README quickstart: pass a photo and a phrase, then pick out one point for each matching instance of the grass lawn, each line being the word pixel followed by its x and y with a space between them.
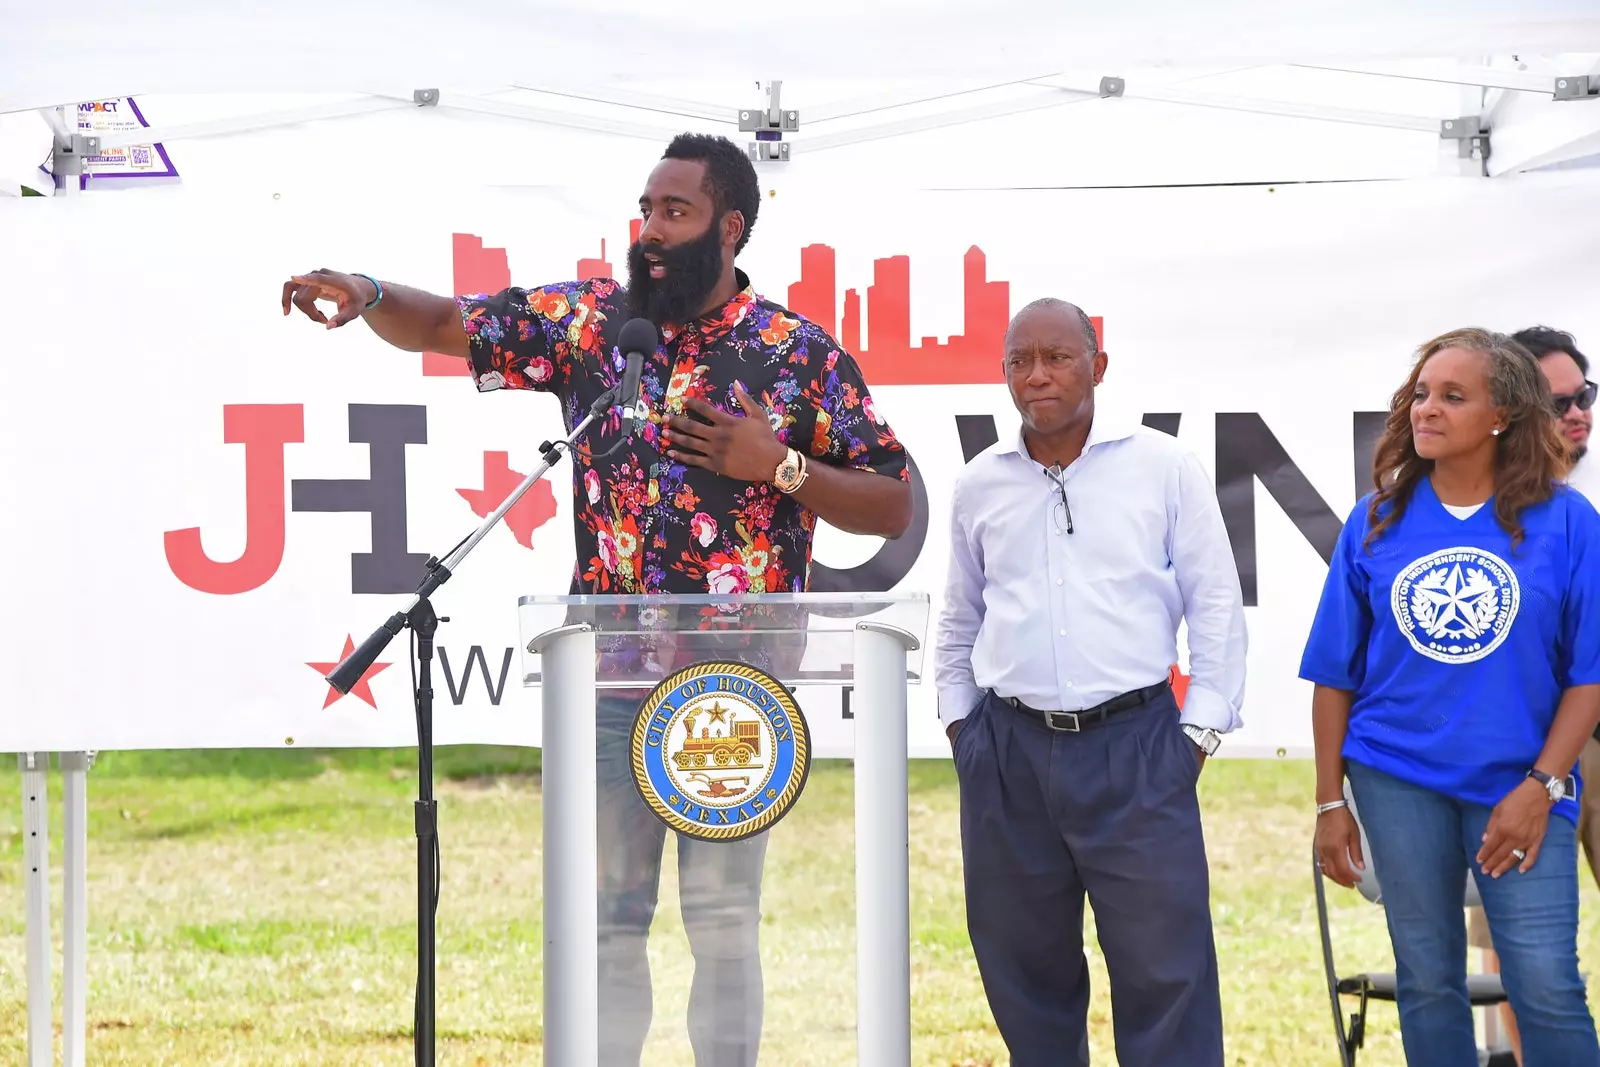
pixel 257 908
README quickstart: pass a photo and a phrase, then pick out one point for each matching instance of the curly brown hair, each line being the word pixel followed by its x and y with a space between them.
pixel 1529 460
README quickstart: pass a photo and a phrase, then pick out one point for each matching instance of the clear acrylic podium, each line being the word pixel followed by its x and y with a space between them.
pixel 609 652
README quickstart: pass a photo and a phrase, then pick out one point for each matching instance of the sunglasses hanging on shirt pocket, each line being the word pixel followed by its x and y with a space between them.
pixel 1061 510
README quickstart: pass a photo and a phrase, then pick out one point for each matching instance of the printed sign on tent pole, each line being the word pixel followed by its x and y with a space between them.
pixel 101 117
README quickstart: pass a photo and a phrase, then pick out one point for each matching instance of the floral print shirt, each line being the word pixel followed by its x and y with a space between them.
pixel 644 523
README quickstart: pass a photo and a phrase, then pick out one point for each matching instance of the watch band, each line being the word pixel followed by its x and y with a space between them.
pixel 1556 788
pixel 1208 740
pixel 791 473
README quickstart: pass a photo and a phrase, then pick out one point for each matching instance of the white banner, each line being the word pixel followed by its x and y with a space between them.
pixel 205 501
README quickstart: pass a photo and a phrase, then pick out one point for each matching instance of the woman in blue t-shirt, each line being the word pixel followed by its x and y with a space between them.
pixel 1456 661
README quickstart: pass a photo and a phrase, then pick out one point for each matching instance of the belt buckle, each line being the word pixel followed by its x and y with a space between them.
pixel 1071 717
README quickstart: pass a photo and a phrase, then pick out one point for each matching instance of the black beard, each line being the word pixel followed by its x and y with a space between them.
pixel 693 270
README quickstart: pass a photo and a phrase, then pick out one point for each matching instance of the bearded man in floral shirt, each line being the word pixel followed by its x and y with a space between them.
pixel 739 388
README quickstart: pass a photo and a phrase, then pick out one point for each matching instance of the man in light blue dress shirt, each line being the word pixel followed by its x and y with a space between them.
pixel 1076 550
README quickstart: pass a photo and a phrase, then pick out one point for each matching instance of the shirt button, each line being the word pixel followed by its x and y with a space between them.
pixel 1069 685
pixel 1063 633
pixel 1058 581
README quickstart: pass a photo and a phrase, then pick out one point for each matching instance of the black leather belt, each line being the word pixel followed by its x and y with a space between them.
pixel 1072 722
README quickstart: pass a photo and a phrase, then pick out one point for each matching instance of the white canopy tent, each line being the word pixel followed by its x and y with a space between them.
pixel 1038 95
pixel 943 96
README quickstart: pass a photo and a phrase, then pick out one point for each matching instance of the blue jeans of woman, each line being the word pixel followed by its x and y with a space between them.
pixel 1422 844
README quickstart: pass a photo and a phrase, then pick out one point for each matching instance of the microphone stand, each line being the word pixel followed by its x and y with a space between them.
pixel 419 616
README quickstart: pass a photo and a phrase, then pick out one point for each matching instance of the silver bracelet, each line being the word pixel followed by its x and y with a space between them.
pixel 1332 805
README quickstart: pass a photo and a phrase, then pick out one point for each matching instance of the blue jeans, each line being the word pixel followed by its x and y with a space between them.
pixel 719 894
pixel 1423 843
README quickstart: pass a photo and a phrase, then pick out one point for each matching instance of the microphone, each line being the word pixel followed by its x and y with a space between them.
pixel 639 338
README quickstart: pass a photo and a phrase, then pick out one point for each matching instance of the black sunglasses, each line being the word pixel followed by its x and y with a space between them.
pixel 1584 398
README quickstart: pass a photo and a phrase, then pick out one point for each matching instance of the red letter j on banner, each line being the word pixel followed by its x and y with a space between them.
pixel 264 430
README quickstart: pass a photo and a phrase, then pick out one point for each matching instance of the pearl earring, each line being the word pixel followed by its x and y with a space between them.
pixel 1495 431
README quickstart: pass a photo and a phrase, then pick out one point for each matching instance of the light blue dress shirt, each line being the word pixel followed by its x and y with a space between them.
pixel 1063 620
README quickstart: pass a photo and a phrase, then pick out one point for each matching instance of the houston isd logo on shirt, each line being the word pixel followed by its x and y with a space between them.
pixel 720 751
pixel 1456 606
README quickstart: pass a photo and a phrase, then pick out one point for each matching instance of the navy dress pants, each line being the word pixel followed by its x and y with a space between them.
pixel 1050 818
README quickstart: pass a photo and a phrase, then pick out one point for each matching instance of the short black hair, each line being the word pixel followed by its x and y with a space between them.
pixel 1052 303
pixel 1543 340
pixel 730 176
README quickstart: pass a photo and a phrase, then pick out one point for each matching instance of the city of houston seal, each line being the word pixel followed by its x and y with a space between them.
pixel 720 751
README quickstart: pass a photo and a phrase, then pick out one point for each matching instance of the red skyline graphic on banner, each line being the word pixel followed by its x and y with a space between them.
pixel 476 270
pixel 888 356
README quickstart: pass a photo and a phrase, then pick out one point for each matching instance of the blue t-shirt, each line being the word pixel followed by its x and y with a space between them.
pixel 1456 647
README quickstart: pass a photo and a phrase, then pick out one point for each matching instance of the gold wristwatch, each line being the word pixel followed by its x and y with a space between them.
pixel 791 473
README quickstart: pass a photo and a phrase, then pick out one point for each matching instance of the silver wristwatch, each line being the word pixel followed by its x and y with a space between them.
pixel 1555 788
pixel 1208 740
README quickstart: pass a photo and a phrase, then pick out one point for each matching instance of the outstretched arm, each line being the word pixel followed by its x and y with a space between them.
pixel 409 319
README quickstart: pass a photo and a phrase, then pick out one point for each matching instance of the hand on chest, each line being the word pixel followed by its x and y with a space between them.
pixel 673 389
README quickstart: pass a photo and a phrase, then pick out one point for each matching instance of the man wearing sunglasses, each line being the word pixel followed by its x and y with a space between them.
pixel 1567 370
pixel 1573 396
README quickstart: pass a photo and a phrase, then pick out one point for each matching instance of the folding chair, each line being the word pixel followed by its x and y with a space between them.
pixel 1484 990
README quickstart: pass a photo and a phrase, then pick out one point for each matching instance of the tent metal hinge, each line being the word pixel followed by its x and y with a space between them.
pixel 1578 87
pixel 77 145
pixel 1471 137
pixel 769 123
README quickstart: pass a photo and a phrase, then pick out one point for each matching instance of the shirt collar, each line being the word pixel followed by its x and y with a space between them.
pixel 1103 430
pixel 713 324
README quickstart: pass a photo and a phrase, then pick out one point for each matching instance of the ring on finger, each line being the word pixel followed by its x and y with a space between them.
pixel 1519 853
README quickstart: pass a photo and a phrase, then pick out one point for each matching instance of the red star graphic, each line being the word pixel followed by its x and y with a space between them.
pixel 361 688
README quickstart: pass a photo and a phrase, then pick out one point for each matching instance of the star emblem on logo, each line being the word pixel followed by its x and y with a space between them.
pixel 362 688
pixel 1456 605
pixel 1455 596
